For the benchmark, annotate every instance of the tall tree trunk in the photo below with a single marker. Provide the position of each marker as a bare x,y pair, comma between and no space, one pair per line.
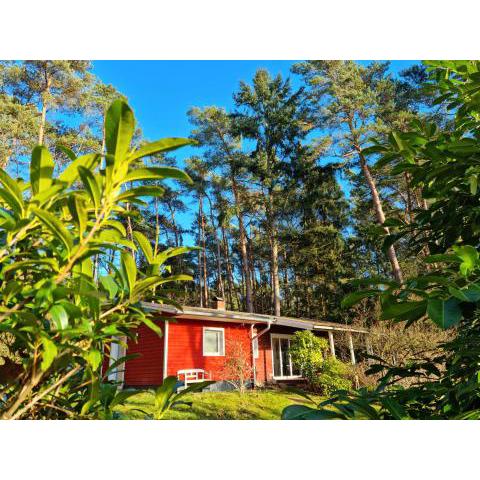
200,286
220,285
243,247
43,118
227,269
204,251
377,205
274,256
286,287
233,290
275,279
251,264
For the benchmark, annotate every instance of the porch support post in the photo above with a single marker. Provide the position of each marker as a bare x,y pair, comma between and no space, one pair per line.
352,351
332,343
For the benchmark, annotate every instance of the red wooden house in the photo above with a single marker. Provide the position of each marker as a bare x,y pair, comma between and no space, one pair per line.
199,338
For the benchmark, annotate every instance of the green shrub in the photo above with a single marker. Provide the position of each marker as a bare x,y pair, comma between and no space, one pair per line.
334,375
307,352
323,373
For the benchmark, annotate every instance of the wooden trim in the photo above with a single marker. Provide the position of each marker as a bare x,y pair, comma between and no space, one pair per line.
165,351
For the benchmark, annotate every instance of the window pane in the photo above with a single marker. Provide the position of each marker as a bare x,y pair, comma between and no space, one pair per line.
276,358
285,357
212,342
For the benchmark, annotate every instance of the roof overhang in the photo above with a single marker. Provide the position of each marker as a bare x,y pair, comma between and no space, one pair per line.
245,317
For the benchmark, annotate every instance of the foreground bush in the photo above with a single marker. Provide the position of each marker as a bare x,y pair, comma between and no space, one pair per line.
443,162
58,306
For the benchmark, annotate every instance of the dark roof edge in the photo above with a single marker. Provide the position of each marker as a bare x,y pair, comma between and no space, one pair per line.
227,315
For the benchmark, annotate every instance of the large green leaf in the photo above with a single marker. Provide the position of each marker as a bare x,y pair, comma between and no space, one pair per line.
164,393
156,173
172,252
59,316
94,358
31,265
145,245
109,285
152,326
129,270
70,174
404,310
119,129
122,396
41,169
49,353
469,256
77,209
55,227
153,281
91,186
355,297
163,145
144,191
445,313
302,412
11,192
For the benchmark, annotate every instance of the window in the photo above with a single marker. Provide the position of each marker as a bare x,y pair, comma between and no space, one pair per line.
213,342
255,348
282,362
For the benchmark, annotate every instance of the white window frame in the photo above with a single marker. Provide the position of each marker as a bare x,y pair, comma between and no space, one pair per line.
222,352
274,336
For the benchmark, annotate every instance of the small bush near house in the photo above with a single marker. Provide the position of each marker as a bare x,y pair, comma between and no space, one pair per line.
237,368
323,373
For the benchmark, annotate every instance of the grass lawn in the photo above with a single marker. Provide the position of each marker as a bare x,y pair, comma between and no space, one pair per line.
257,405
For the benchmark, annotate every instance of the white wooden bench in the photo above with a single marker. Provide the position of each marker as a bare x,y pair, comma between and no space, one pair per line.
193,375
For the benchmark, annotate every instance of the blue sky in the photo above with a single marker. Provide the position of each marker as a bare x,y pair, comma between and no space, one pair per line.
161,92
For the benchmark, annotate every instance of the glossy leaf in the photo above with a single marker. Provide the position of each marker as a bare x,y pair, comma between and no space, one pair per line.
157,173
445,313
59,317
11,192
71,173
163,145
49,352
94,358
355,297
119,129
145,191
56,227
41,169
145,245
91,185
129,270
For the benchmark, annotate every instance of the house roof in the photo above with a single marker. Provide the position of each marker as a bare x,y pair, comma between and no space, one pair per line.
245,317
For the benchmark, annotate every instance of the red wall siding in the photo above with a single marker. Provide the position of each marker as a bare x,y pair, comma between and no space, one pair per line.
185,351
263,363
185,345
147,369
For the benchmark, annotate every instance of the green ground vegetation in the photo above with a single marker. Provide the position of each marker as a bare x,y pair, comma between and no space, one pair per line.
252,405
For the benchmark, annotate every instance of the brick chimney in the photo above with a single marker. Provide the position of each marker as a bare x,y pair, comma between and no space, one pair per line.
218,303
